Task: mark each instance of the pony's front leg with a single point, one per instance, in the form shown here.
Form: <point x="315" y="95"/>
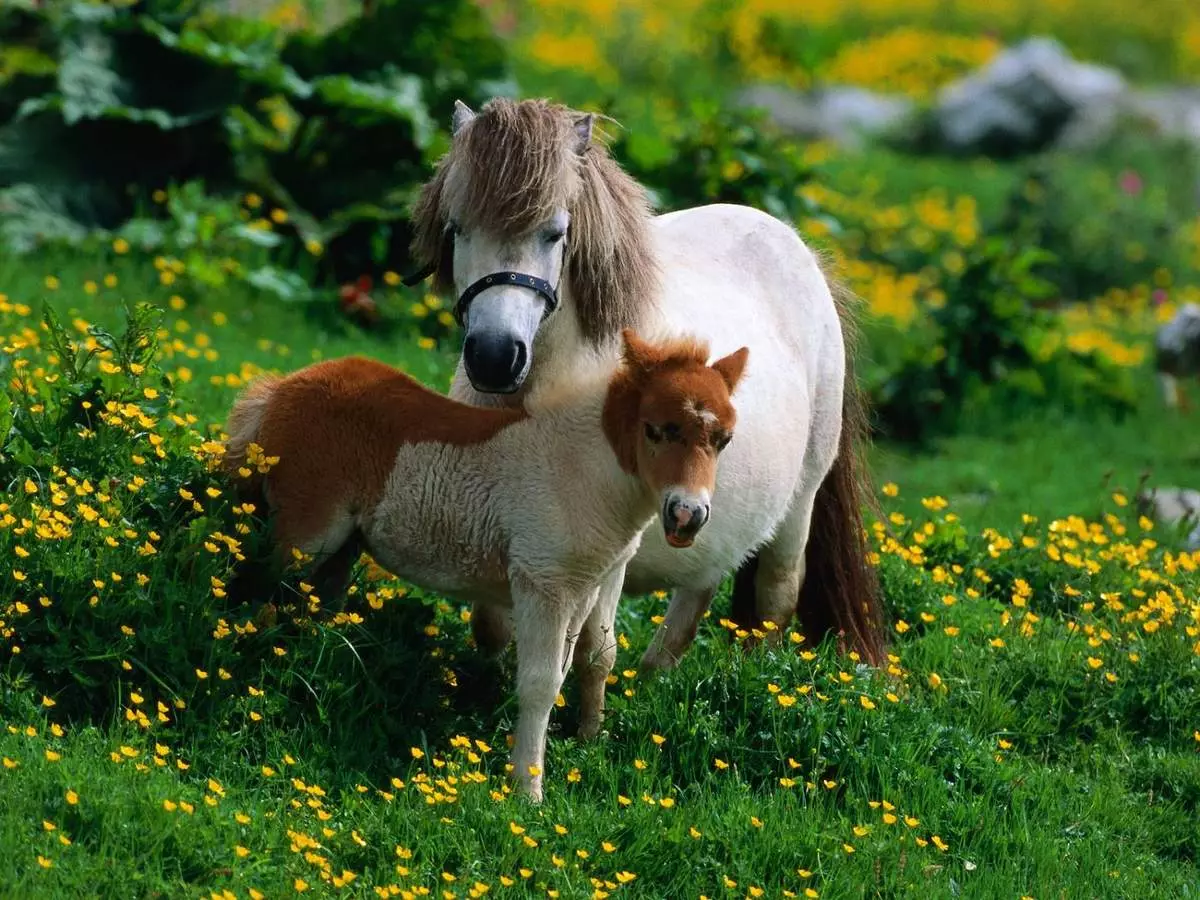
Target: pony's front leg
<point x="546" y="625"/>
<point x="678" y="628"/>
<point x="596" y="652"/>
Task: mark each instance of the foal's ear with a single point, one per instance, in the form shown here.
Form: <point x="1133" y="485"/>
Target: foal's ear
<point x="462" y="116"/>
<point x="583" y="132"/>
<point x="638" y="355"/>
<point x="732" y="367"/>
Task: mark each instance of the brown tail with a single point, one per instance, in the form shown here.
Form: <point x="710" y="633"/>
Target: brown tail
<point x="840" y="592"/>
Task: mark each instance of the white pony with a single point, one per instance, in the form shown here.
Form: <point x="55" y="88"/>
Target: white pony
<point x="552" y="250"/>
<point x="535" y="513"/>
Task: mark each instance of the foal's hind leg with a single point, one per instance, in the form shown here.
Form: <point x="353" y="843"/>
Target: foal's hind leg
<point x="331" y="576"/>
<point x="678" y="628"/>
<point x="492" y="628"/>
<point x="596" y="652"/>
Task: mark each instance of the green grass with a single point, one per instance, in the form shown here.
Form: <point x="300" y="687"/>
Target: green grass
<point x="1094" y="792"/>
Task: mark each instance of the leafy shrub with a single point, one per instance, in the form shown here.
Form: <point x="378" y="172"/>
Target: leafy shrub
<point x="704" y="152"/>
<point x="1112" y="219"/>
<point x="988" y="341"/>
<point x="334" y="128"/>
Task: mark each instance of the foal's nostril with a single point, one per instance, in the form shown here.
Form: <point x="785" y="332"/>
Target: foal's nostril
<point x="686" y="517"/>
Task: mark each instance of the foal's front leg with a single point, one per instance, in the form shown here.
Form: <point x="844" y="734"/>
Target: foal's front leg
<point x="547" y="625"/>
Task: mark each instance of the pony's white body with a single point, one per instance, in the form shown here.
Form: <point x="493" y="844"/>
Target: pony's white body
<point x="738" y="277"/>
<point x="732" y="276"/>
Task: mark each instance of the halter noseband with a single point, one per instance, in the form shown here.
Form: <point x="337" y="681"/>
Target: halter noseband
<point x="539" y="286"/>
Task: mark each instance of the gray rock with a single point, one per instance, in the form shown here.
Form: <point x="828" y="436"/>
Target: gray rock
<point x="845" y="115"/>
<point x="1174" y="507"/>
<point x="1022" y="101"/>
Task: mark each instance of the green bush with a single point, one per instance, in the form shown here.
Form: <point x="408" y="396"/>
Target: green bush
<point x="708" y="153"/>
<point x="336" y="129"/>
<point x="990" y="342"/>
<point x="1112" y="218"/>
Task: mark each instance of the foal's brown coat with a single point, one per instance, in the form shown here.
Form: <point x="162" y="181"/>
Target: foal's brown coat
<point x="337" y="426"/>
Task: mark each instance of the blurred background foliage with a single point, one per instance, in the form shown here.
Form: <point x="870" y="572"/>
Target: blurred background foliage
<point x="281" y="143"/>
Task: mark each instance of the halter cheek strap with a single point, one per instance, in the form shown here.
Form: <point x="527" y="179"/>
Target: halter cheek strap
<point x="539" y="286"/>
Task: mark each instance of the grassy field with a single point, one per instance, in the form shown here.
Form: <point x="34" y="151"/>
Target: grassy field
<point x="1036" y="735"/>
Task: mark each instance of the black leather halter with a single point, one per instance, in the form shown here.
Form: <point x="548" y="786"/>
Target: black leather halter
<point x="539" y="286"/>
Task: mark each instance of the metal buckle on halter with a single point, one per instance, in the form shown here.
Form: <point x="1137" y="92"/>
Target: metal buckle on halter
<point x="539" y="286"/>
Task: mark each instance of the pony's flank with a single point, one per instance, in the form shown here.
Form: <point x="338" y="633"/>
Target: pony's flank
<point x="510" y="169"/>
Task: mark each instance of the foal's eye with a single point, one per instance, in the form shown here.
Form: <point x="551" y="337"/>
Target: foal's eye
<point x="723" y="441"/>
<point x="653" y="434"/>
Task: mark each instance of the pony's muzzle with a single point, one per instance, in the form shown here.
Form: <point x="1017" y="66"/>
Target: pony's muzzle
<point x="495" y="363"/>
<point x="501" y="326"/>
<point x="683" y="515"/>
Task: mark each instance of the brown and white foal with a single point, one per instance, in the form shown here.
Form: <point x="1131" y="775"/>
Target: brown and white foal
<point x="535" y="509"/>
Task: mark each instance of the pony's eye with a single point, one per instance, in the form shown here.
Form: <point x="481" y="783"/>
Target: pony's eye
<point x="553" y="237"/>
<point x="453" y="228"/>
<point x="653" y="434"/>
<point x="723" y="441"/>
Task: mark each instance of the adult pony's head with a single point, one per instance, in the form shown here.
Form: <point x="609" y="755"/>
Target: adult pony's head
<point x="668" y="415"/>
<point x="526" y="213"/>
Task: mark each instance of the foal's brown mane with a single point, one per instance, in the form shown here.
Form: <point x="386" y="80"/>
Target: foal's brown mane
<point x="508" y="170"/>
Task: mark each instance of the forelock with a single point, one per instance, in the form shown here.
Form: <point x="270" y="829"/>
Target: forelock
<point x="512" y="167"/>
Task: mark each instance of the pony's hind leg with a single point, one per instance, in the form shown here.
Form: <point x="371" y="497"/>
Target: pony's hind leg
<point x="678" y="628"/>
<point x="595" y="654"/>
<point x="766" y="590"/>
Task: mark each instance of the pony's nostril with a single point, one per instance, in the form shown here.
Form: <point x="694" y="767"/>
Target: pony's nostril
<point x="520" y="357"/>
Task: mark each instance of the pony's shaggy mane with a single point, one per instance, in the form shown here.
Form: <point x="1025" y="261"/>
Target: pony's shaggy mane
<point x="508" y="170"/>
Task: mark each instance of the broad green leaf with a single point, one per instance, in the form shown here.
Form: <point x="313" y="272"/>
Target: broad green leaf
<point x="87" y="83"/>
<point x="283" y="284"/>
<point x="260" y="66"/>
<point x="400" y="98"/>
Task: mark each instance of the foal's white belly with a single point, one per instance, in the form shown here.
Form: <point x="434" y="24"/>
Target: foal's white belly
<point x="736" y="277"/>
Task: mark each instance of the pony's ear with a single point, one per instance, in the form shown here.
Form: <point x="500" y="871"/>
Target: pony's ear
<point x="462" y="116"/>
<point x="732" y="367"/>
<point x="583" y="132"/>
<point x="638" y="355"/>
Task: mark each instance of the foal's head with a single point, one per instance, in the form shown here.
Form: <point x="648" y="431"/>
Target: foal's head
<point x="668" y="415"/>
